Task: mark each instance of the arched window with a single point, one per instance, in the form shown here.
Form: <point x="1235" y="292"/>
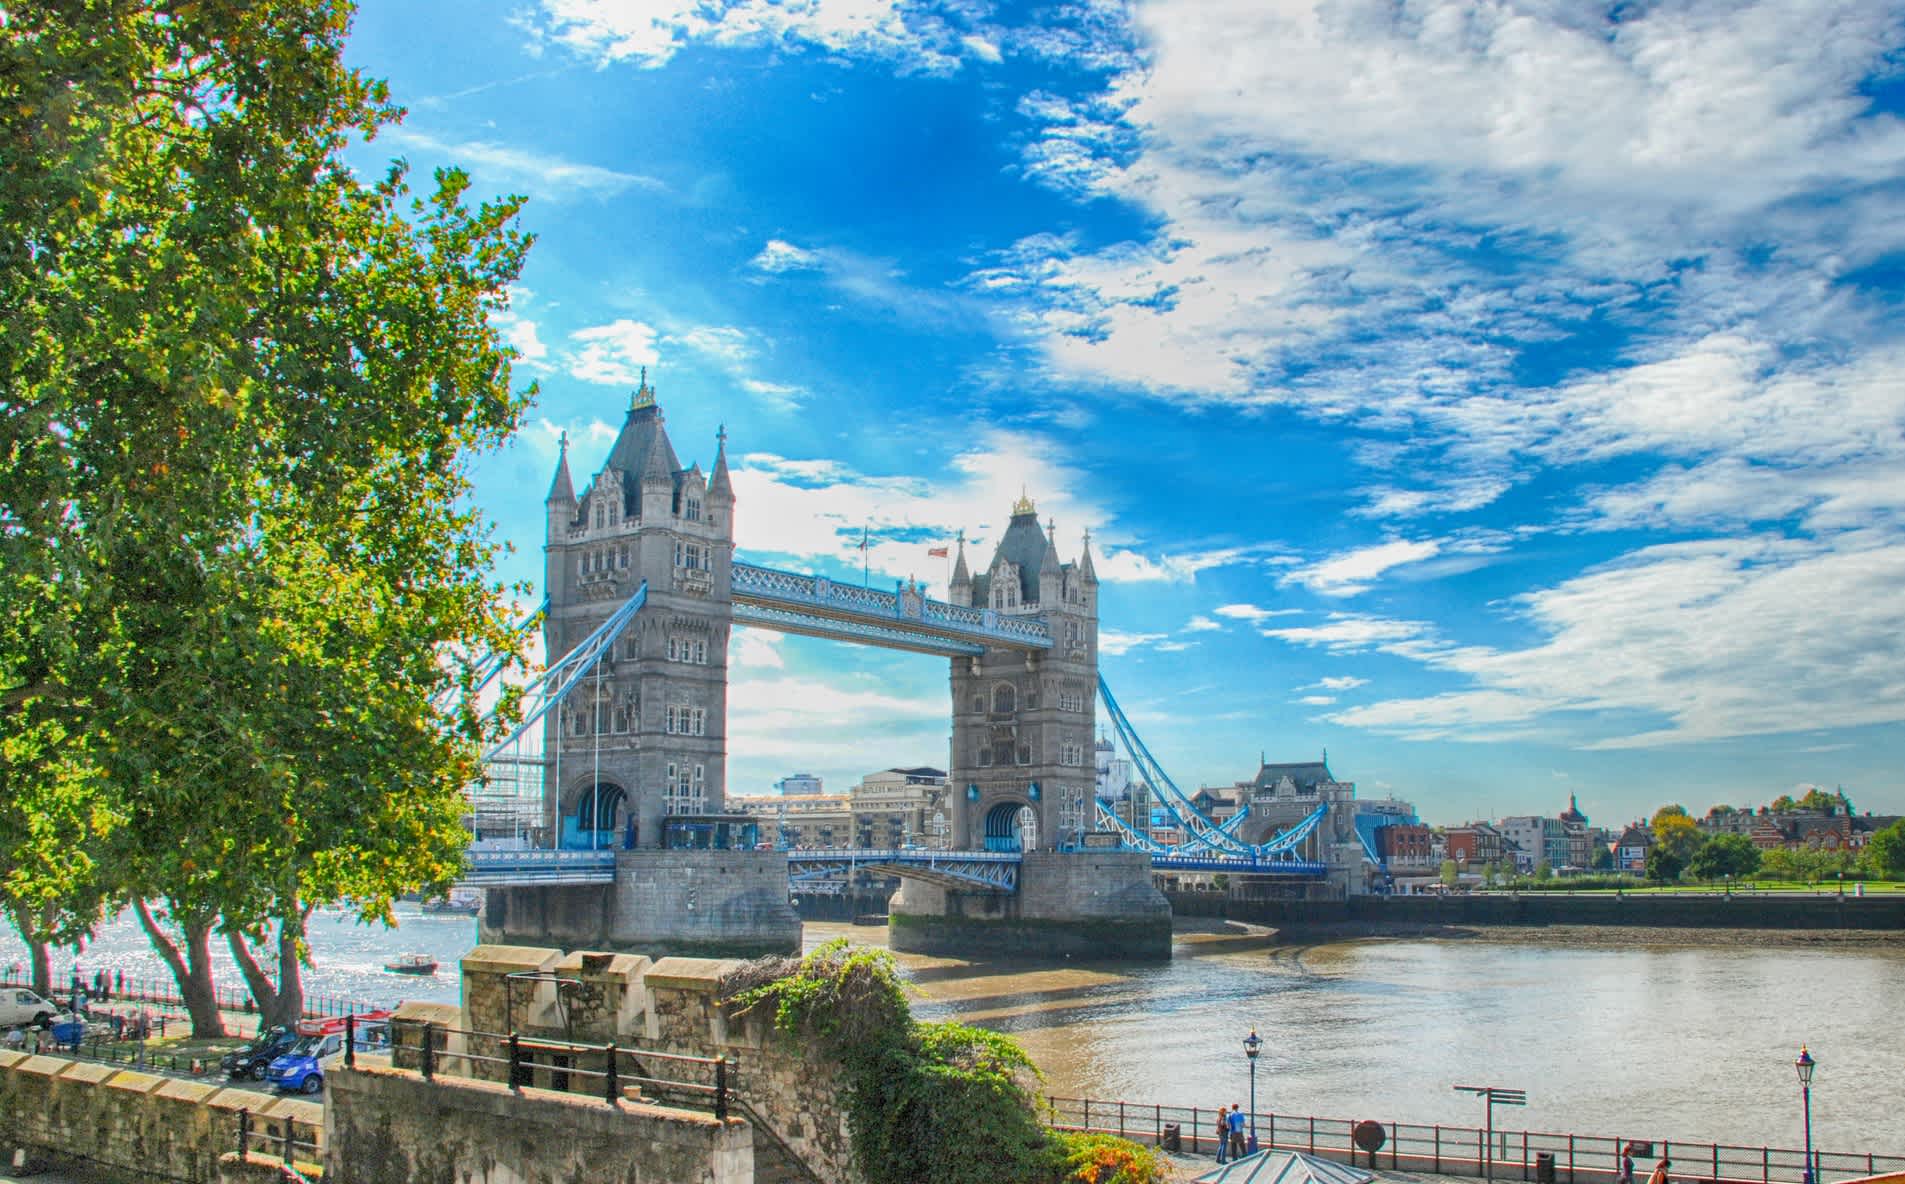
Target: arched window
<point x="1004" y="698"/>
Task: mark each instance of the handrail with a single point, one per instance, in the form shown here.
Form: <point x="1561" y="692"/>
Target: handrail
<point x="761" y="1124"/>
<point x="1445" y="1149"/>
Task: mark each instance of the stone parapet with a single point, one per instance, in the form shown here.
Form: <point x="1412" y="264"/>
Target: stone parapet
<point x="1086" y="905"/>
<point x="142" y="1125"/>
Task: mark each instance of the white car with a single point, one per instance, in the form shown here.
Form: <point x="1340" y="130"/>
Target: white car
<point x="19" y="1006"/>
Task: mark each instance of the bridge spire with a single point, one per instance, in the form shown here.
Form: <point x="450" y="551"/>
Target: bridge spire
<point x="719" y="487"/>
<point x="1086" y="572"/>
<point x="960" y="587"/>
<point x="562" y="489"/>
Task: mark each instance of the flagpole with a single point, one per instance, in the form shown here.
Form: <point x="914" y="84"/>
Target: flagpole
<point x="865" y="579"/>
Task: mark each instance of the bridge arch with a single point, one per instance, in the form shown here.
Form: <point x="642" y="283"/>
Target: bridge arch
<point x="601" y="808"/>
<point x="1011" y="825"/>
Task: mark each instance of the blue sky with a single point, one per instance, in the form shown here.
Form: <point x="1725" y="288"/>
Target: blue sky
<point x="1507" y="397"/>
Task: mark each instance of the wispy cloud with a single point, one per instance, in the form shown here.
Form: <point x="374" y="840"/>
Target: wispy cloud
<point x="1356" y="571"/>
<point x="536" y="173"/>
<point x="613" y="354"/>
<point x="649" y="34"/>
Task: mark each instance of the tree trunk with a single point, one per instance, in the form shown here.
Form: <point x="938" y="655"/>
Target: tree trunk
<point x="38" y="955"/>
<point x="283" y="1002"/>
<point x="192" y="970"/>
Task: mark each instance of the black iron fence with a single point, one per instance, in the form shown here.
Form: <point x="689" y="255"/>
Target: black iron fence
<point x="610" y="1071"/>
<point x="281" y="1139"/>
<point x="1564" y="1158"/>
<point x="165" y="992"/>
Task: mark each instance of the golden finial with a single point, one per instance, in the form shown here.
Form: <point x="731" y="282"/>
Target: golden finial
<point x="1023" y="505"/>
<point x="644" y="396"/>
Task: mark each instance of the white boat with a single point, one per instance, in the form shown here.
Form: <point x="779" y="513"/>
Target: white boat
<point x="412" y="964"/>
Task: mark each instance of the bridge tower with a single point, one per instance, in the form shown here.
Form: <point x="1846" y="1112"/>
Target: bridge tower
<point x="646" y="735"/>
<point x="1021" y="772"/>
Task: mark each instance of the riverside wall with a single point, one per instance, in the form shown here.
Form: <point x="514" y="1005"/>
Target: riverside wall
<point x="1741" y="910"/>
<point x="138" y="1126"/>
<point x="691" y="903"/>
<point x="386" y="1125"/>
<point x="1093" y="905"/>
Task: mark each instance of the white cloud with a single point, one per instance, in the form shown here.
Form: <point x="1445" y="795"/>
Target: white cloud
<point x="776" y="395"/>
<point x="756" y="649"/>
<point x="1670" y="644"/>
<point x="1355" y="572"/>
<point x="1251" y="612"/>
<point x="1113" y="642"/>
<point x="1200" y="624"/>
<point x="779" y="256"/>
<point x="613" y="354"/>
<point x="982" y="49"/>
<point x="1339" y="683"/>
<point x="1316" y="700"/>
<point x="648" y="34"/>
<point x="538" y="174"/>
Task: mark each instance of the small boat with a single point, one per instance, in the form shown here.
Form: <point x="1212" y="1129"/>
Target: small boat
<point x="412" y="964"/>
<point x="456" y="903"/>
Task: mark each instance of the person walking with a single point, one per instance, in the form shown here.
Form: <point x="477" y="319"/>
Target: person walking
<point x="1627" y="1165"/>
<point x="1237" y="1131"/>
<point x="1659" y="1174"/>
<point x="1223" y="1135"/>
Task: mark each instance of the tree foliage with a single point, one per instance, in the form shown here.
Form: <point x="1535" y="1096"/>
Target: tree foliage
<point x="1724" y="855"/>
<point x="1885" y="851"/>
<point x="241" y="386"/>
<point x="942" y="1102"/>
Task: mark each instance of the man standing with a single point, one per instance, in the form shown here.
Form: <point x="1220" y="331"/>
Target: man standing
<point x="1237" y="1131"/>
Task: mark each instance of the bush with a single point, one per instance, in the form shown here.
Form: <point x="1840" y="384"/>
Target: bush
<point x="1105" y="1159"/>
<point x="942" y="1102"/>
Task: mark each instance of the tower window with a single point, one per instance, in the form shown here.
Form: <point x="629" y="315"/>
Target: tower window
<point x="692" y="511"/>
<point x="1004" y="698"/>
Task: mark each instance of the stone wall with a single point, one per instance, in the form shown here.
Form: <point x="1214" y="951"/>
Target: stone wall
<point x="1072" y="904"/>
<point x="386" y="1125"/>
<point x="140" y="1124"/>
<point x="697" y="903"/>
<point x="1662" y="910"/>
<point x="672" y="1005"/>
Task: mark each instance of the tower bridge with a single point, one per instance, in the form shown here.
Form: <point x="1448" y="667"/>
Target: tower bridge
<point x="628" y="731"/>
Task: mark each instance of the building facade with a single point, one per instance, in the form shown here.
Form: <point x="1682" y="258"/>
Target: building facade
<point x="901" y="807"/>
<point x="805" y="821"/>
<point x="646" y="737"/>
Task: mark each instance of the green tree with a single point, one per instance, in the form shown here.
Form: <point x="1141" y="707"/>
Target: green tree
<point x="1544" y="870"/>
<point x="1451" y="875"/>
<point x="1885" y="851"/>
<point x="241" y="388"/>
<point x="1601" y="859"/>
<point x="1664" y="863"/>
<point x="1724" y="855"/>
<point x="1818" y="799"/>
<point x="1784" y="804"/>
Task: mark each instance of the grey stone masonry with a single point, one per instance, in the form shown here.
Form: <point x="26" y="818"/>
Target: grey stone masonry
<point x="1023" y="723"/>
<point x="646" y="735"/>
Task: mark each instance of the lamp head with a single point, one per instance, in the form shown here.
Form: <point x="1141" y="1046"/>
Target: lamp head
<point x="1804" y="1065"/>
<point x="1252" y="1043"/>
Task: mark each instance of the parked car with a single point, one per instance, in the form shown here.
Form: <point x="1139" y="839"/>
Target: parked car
<point x="20" y="1007"/>
<point x="251" y="1061"/>
<point x="319" y="1046"/>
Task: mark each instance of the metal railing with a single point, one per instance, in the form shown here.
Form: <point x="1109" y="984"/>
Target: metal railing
<point x="278" y="1138"/>
<point x="1470" y="1151"/>
<point x="165" y="993"/>
<point x="608" y="1071"/>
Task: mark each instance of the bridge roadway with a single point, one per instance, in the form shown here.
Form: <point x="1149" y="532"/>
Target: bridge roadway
<point x="992" y="871"/>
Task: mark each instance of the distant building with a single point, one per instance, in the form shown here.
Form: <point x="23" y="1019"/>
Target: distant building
<point x="896" y="807"/>
<point x="798" y="784"/>
<point x="811" y="820"/>
<point x="1407" y="847"/>
<point x="1474" y="845"/>
<point x="1538" y="839"/>
<point x="1630" y="850"/>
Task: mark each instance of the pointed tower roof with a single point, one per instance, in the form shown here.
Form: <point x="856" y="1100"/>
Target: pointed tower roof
<point x="960" y="574"/>
<point x="1086" y="571"/>
<point x="719" y="485"/>
<point x="642" y="445"/>
<point x="1023" y="544"/>
<point x="1050" y="558"/>
<point x="562" y="489"/>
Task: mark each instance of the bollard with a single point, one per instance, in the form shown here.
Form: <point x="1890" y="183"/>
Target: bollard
<point x="244" y="1134"/>
<point x="612" y="1084"/>
<point x="350" y="1041"/>
<point x="721" y="1088"/>
<point x="289" y="1148"/>
<point x="427" y="1055"/>
<point x="515" y="1061"/>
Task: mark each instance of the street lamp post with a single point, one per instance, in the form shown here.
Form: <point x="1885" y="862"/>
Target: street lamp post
<point x="1253" y="1044"/>
<point x="1804" y="1065"/>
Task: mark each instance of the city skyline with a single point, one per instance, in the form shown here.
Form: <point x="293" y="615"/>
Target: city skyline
<point x="1504" y="402"/>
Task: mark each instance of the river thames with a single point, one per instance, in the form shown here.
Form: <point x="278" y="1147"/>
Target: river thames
<point x="1690" y="1043"/>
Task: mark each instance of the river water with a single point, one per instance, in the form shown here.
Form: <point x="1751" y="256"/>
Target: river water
<point x="1694" y="1043"/>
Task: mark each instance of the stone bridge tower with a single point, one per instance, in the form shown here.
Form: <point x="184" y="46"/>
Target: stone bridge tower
<point x="646" y="735"/>
<point x="1021" y="767"/>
